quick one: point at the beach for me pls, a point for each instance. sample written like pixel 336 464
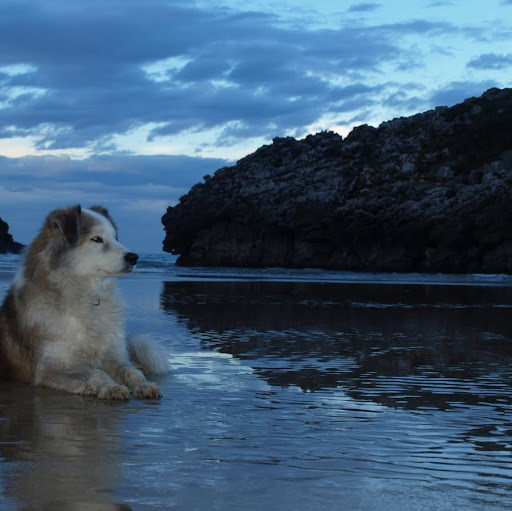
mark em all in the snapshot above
pixel 288 390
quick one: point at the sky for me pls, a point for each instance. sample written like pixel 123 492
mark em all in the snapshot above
pixel 129 104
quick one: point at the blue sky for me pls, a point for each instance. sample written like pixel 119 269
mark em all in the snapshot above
pixel 129 103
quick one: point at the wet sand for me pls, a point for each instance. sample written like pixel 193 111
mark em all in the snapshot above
pixel 283 395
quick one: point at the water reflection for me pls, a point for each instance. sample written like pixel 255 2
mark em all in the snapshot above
pixel 56 450
pixel 407 387
pixel 401 345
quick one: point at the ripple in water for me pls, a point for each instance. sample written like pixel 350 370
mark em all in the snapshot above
pixel 395 393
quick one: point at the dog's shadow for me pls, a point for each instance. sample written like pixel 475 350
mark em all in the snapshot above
pixel 60 452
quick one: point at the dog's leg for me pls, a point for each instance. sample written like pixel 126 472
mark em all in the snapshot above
pixel 90 382
pixel 139 386
pixel 134 379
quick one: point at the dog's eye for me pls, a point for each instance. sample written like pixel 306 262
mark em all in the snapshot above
pixel 97 239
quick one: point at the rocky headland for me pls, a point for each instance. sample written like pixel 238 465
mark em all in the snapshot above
pixel 427 193
pixel 7 244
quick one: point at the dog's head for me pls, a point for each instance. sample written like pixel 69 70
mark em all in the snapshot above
pixel 86 241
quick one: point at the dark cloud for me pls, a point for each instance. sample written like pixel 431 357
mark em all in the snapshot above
pixel 116 170
pixel 88 80
pixel 441 3
pixel 403 101
pixel 363 7
pixel 491 61
pixel 137 188
pixel 456 92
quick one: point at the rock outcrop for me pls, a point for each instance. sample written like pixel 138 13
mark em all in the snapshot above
pixel 428 193
pixel 7 244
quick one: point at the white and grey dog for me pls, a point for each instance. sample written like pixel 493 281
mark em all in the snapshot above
pixel 62 323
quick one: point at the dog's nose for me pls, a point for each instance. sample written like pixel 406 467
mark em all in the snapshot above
pixel 131 258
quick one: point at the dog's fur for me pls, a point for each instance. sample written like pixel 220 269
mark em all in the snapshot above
pixel 61 324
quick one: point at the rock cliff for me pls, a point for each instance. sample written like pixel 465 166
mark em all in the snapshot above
pixel 429 193
pixel 7 244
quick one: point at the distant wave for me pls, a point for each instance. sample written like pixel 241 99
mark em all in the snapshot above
pixel 9 261
pixel 155 262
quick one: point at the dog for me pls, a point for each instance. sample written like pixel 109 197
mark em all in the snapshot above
pixel 62 323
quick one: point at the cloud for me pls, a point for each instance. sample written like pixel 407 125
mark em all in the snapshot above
pixel 441 3
pixel 363 7
pixel 95 70
pixel 491 61
pixel 136 188
pixel 404 101
pixel 119 170
pixel 456 92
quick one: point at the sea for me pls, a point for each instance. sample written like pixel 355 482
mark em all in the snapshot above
pixel 164 264
pixel 293 389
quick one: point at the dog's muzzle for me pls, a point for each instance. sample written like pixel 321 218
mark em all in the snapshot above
pixel 131 258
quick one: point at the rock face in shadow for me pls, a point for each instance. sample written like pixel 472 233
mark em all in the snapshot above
pixel 429 193
pixel 7 244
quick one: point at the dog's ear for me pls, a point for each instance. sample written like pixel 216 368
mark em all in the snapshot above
pixel 104 211
pixel 67 221
pixel 101 210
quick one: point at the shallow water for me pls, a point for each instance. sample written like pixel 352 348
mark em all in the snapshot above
pixel 286 393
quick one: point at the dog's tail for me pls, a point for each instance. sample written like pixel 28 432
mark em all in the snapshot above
pixel 147 355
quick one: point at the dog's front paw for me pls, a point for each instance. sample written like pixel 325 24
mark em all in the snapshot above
pixel 117 392
pixel 146 391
